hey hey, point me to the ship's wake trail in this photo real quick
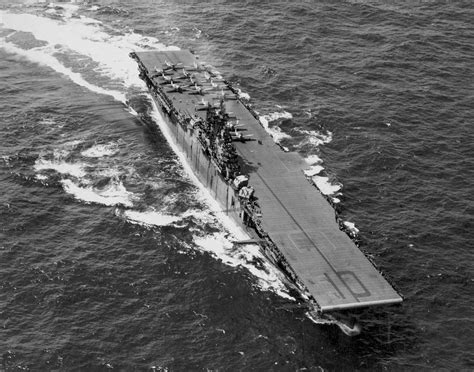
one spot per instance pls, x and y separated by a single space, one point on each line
81 49
78 47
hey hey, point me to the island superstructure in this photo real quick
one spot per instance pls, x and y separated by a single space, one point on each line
260 186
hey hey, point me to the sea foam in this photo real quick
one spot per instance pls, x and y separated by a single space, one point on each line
351 227
114 193
85 37
63 167
245 256
221 244
149 218
101 150
314 137
325 186
274 130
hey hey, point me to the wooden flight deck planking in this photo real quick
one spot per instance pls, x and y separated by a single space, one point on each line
295 215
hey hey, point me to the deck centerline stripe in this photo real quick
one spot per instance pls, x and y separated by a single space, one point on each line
307 236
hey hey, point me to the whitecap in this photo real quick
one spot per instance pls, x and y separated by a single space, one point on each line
61 153
114 193
351 227
274 130
243 95
42 56
314 170
326 187
313 159
71 144
149 218
65 9
220 246
41 177
108 172
314 137
273 116
85 37
328 319
152 217
63 167
101 150
47 121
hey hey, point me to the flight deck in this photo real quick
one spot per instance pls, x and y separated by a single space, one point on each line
297 218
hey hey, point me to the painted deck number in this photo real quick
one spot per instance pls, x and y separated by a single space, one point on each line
353 284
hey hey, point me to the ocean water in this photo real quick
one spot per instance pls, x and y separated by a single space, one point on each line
112 257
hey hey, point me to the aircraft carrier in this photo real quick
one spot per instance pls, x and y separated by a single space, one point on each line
260 185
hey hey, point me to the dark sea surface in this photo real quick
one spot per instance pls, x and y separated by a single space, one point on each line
112 257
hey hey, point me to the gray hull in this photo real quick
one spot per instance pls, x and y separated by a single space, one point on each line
295 225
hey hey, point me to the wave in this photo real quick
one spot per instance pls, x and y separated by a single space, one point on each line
314 138
41 177
110 172
328 319
101 150
274 130
221 244
65 10
325 186
84 174
85 37
111 10
246 256
323 183
42 56
114 193
47 121
313 170
154 218
149 218
313 159
60 166
81 37
243 95
353 230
